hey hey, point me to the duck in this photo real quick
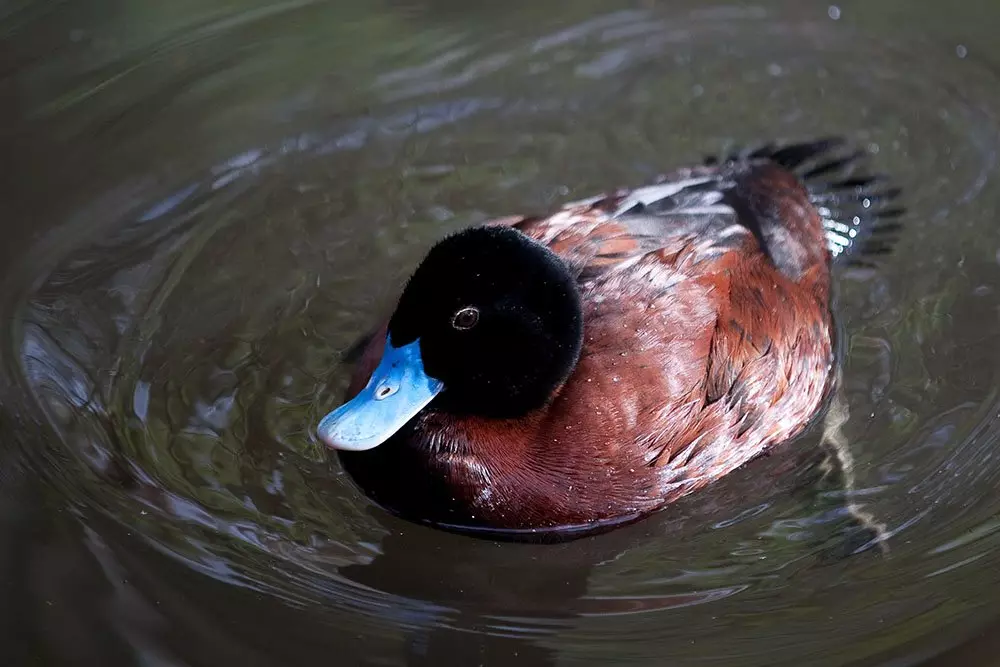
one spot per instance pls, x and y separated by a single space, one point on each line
568 372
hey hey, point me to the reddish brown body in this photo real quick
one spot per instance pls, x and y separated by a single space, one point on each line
707 341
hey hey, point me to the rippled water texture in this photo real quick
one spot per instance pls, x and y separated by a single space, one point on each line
204 204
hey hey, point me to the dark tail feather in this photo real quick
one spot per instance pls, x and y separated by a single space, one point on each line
860 211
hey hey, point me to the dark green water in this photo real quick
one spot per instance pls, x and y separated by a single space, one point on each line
204 202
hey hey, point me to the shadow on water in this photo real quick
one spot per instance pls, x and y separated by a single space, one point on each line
203 206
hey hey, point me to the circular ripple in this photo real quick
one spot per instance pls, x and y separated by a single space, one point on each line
183 340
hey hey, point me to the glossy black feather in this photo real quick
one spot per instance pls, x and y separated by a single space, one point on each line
859 210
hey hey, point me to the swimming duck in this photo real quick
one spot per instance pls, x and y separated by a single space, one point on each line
582 369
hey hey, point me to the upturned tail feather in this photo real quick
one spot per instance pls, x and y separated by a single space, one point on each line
860 211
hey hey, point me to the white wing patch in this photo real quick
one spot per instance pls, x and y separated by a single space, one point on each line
654 193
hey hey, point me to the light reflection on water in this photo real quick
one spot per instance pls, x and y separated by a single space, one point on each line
256 192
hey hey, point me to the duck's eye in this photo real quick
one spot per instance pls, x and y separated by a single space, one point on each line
465 318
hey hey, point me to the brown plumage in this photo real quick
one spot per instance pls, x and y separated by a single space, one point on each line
707 339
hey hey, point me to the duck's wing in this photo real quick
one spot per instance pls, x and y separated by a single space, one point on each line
679 277
802 204
612 232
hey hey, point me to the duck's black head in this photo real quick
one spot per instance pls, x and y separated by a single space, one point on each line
490 324
498 319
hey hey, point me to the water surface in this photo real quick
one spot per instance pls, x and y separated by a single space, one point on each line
205 203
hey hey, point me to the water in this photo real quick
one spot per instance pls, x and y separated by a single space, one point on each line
205 203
